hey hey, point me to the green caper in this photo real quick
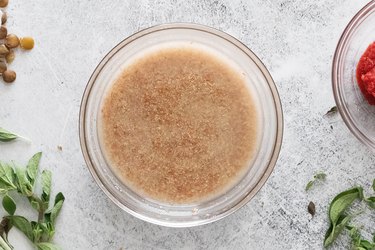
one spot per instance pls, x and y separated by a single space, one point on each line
12 41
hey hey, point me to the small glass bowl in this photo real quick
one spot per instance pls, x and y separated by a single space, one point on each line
356 112
270 122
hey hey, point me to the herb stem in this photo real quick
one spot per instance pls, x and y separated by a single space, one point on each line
4 244
41 209
41 216
23 138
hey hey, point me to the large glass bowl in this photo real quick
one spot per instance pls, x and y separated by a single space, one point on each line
270 121
358 115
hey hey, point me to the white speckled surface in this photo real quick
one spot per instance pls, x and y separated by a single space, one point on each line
295 40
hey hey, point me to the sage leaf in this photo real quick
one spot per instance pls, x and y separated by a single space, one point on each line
46 185
32 167
6 136
22 224
47 246
335 229
9 205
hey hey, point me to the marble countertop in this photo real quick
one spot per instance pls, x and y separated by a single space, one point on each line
295 40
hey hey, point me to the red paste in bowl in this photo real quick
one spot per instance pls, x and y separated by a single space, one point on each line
366 74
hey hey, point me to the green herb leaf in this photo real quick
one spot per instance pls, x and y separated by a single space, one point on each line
354 234
7 176
357 240
373 185
6 136
366 245
46 185
55 211
40 231
52 215
34 203
24 185
59 197
37 231
23 180
43 226
22 224
47 246
335 229
9 205
50 231
338 206
320 176
4 188
332 111
317 177
32 167
342 201
309 185
371 202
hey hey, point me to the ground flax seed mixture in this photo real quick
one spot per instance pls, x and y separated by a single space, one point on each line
179 125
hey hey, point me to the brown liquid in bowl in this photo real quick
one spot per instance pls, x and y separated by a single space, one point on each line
179 125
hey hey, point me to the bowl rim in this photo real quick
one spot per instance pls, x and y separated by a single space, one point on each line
277 104
335 74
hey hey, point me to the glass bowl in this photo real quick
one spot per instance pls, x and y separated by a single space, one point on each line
356 112
270 121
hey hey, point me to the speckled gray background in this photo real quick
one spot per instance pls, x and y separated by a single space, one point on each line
294 39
